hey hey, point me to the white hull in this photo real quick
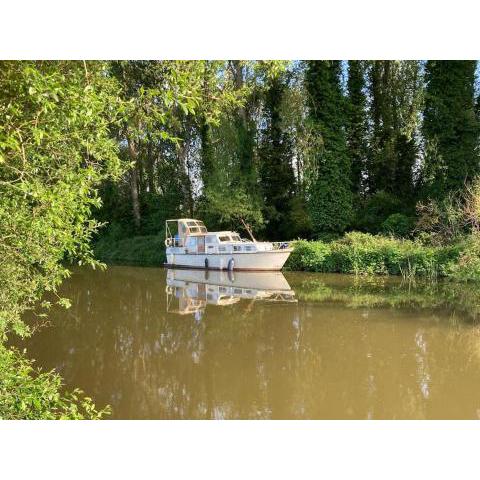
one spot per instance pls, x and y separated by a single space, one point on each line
272 260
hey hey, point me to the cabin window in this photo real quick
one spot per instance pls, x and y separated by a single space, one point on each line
249 248
203 229
191 242
224 238
194 229
222 249
192 224
237 248
236 238
210 239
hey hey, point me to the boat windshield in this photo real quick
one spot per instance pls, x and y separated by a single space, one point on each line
196 226
224 238
236 238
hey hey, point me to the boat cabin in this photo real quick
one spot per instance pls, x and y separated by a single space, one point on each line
191 236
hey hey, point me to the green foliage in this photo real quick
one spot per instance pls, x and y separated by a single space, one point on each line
396 100
330 197
227 208
308 256
26 393
357 134
450 127
468 266
441 221
375 209
277 180
55 149
139 250
452 217
361 254
398 225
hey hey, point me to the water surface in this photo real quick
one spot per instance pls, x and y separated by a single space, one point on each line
182 344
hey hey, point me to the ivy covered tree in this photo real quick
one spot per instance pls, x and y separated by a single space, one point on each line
277 180
450 126
330 197
357 134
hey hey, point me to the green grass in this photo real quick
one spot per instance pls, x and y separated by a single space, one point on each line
142 250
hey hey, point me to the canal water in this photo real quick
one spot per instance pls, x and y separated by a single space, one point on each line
182 344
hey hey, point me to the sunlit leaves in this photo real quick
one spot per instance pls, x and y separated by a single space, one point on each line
56 145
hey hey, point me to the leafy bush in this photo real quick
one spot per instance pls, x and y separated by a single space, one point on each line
468 265
441 221
28 393
398 225
362 253
309 256
375 210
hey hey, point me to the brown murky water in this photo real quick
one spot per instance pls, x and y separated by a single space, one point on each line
161 344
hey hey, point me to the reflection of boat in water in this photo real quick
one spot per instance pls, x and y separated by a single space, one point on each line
189 291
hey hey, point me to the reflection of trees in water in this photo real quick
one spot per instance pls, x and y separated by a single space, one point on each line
462 299
314 359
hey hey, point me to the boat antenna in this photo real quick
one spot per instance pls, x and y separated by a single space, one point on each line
247 228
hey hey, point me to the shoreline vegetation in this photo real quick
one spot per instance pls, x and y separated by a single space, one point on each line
27 392
355 253
364 254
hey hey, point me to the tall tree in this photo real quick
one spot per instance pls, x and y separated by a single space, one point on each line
151 94
450 126
277 178
395 99
357 137
244 126
330 198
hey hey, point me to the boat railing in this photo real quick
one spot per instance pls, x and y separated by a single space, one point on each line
174 242
280 245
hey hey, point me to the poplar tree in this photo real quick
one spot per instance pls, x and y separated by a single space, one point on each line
395 98
277 178
330 197
450 126
357 123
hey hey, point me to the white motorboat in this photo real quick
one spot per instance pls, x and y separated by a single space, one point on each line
189 244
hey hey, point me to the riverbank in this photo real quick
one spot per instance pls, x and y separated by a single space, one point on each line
355 253
148 250
365 254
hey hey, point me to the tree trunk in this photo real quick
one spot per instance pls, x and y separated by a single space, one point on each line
186 183
150 168
134 184
239 82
